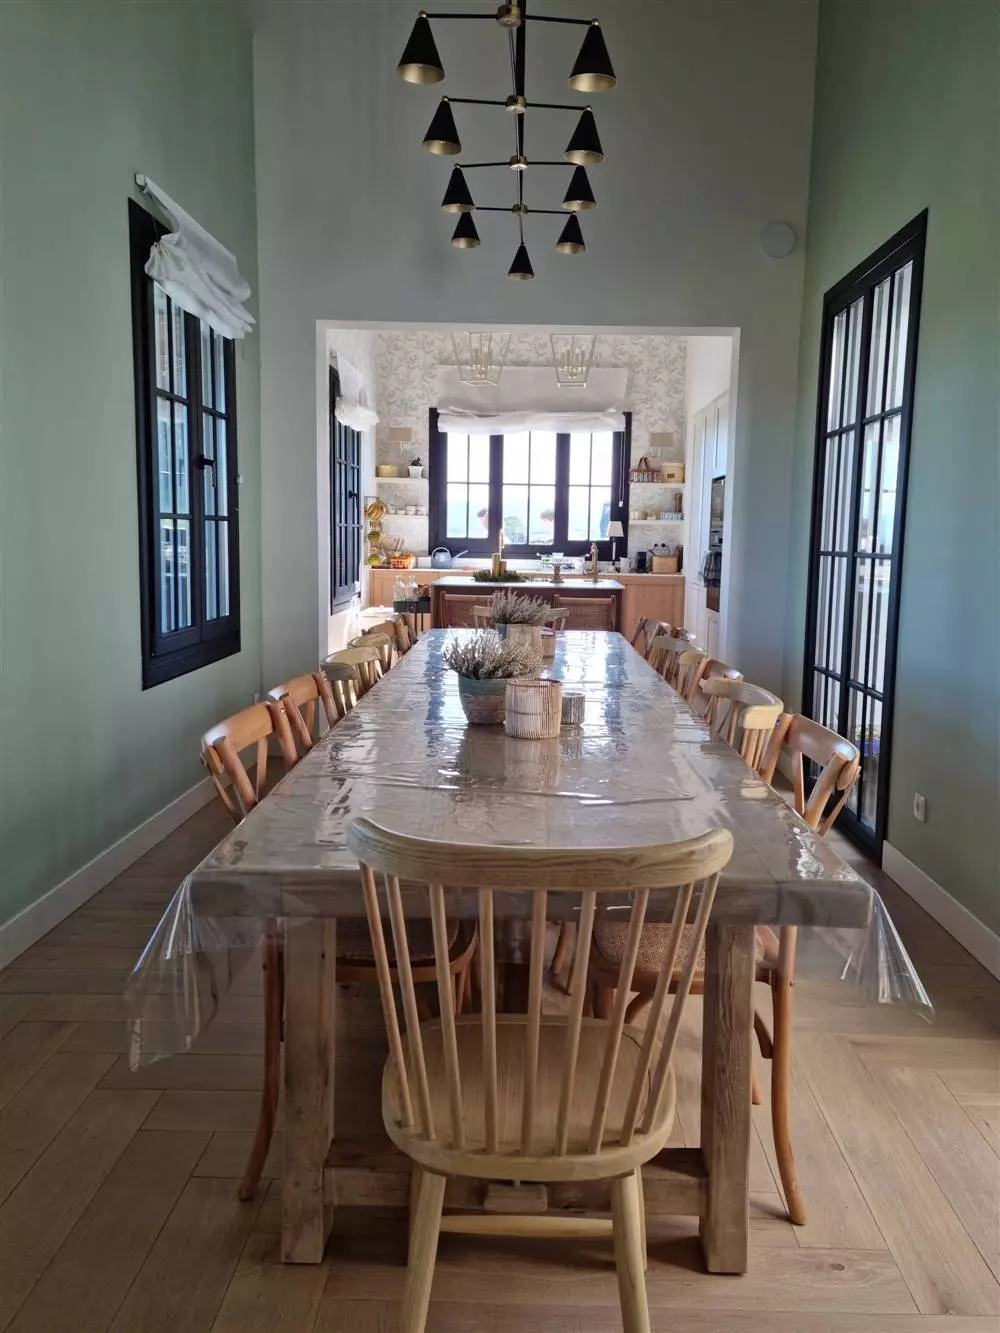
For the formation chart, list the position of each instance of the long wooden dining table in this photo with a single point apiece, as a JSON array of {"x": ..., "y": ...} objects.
[{"x": 641, "y": 768}]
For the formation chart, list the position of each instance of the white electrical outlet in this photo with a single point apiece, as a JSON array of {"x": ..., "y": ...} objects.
[{"x": 919, "y": 807}]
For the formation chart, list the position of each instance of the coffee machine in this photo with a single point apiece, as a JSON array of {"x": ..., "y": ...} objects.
[{"x": 643, "y": 562}]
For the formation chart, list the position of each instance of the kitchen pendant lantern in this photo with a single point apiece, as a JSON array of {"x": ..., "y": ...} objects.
[
  {"x": 572, "y": 355},
  {"x": 592, "y": 73},
  {"x": 480, "y": 357}
]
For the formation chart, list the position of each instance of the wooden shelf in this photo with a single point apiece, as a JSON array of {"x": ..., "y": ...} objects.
[
  {"x": 675, "y": 485},
  {"x": 402, "y": 481},
  {"x": 649, "y": 522}
]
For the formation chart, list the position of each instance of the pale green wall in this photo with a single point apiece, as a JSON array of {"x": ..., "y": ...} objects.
[
  {"x": 92, "y": 91},
  {"x": 907, "y": 118}
]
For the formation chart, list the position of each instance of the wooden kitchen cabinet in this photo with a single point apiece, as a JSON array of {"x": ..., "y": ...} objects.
[
  {"x": 655, "y": 596},
  {"x": 382, "y": 581}
]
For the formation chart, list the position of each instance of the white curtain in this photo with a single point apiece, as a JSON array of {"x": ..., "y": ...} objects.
[
  {"x": 196, "y": 271},
  {"x": 351, "y": 407},
  {"x": 528, "y": 398}
]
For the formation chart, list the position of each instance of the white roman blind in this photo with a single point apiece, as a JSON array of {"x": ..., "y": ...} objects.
[
  {"x": 528, "y": 398},
  {"x": 196, "y": 270}
]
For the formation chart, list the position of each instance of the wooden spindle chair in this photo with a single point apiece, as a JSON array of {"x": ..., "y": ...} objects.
[
  {"x": 366, "y": 660},
  {"x": 221, "y": 746},
  {"x": 742, "y": 715},
  {"x": 301, "y": 699},
  {"x": 664, "y": 655},
  {"x": 638, "y": 636},
  {"x": 557, "y": 617},
  {"x": 532, "y": 1096},
  {"x": 587, "y": 612},
  {"x": 482, "y": 617},
  {"x": 458, "y": 610},
  {"x": 404, "y": 639},
  {"x": 342, "y": 679},
  {"x": 704, "y": 668},
  {"x": 382, "y": 638}
]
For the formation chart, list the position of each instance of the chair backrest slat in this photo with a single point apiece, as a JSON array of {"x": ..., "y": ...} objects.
[
  {"x": 487, "y": 947},
  {"x": 636, "y": 921},
  {"x": 578, "y": 995},
  {"x": 536, "y": 974},
  {"x": 612, "y": 1081},
  {"x": 384, "y": 975},
  {"x": 446, "y": 1001},
  {"x": 404, "y": 972}
]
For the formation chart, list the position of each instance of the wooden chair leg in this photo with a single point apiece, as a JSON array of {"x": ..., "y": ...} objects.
[
  {"x": 756, "y": 1096},
  {"x": 274, "y": 1005},
  {"x": 460, "y": 990},
  {"x": 627, "y": 1224},
  {"x": 642, "y": 1218},
  {"x": 416, "y": 1175},
  {"x": 604, "y": 1000},
  {"x": 424, "y": 1229},
  {"x": 636, "y": 1005},
  {"x": 560, "y": 956},
  {"x": 781, "y": 1062}
]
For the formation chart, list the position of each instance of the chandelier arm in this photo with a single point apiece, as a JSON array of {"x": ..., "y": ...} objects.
[
  {"x": 468, "y": 166},
  {"x": 477, "y": 101},
  {"x": 491, "y": 17},
  {"x": 552, "y": 18}
]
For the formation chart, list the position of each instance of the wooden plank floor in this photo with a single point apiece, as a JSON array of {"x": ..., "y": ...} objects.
[{"x": 118, "y": 1206}]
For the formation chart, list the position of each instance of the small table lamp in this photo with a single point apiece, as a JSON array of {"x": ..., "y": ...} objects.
[{"x": 615, "y": 530}]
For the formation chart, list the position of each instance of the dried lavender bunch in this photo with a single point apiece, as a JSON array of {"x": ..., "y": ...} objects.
[
  {"x": 513, "y": 608},
  {"x": 488, "y": 657}
]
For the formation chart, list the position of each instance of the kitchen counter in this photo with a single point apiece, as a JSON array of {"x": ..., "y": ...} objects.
[
  {"x": 467, "y": 583},
  {"x": 453, "y": 597}
]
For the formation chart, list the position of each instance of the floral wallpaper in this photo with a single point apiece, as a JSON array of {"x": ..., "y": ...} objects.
[{"x": 405, "y": 377}]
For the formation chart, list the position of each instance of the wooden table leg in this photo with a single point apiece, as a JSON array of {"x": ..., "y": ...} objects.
[
  {"x": 310, "y": 999},
  {"x": 725, "y": 1096}
]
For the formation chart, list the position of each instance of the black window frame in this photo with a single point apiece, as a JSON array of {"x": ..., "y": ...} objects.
[
  {"x": 479, "y": 546},
  {"x": 167, "y": 655},
  {"x": 906, "y": 246},
  {"x": 346, "y": 523}
]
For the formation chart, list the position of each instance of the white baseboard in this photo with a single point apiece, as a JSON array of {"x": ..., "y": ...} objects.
[
  {"x": 36, "y": 920},
  {"x": 947, "y": 911}
]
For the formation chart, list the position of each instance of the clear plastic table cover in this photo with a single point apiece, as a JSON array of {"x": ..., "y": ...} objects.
[{"x": 640, "y": 769}]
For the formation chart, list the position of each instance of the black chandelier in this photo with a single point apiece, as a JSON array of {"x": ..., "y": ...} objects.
[{"x": 592, "y": 73}]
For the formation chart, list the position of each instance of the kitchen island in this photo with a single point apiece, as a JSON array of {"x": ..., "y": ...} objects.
[{"x": 453, "y": 597}]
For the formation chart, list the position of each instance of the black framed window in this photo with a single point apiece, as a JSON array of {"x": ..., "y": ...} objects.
[
  {"x": 548, "y": 490},
  {"x": 185, "y": 391},
  {"x": 867, "y": 370},
  {"x": 345, "y": 506}
]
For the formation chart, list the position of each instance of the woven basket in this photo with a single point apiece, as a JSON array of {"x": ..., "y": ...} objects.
[
  {"x": 534, "y": 709},
  {"x": 484, "y": 702}
]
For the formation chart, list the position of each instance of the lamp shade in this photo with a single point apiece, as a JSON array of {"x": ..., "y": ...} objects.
[
  {"x": 593, "y": 71},
  {"x": 420, "y": 62},
  {"x": 457, "y": 198},
  {"x": 615, "y": 529},
  {"x": 570, "y": 241},
  {"x": 465, "y": 236},
  {"x": 442, "y": 133},
  {"x": 521, "y": 267},
  {"x": 579, "y": 196},
  {"x": 584, "y": 149}
]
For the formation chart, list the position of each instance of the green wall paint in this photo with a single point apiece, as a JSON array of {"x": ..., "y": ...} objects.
[
  {"x": 89, "y": 94},
  {"x": 906, "y": 118}
]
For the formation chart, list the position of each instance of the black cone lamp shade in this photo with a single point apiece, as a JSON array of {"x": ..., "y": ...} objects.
[
  {"x": 584, "y": 149},
  {"x": 465, "y": 236},
  {"x": 570, "y": 241},
  {"x": 457, "y": 198},
  {"x": 579, "y": 196},
  {"x": 593, "y": 71},
  {"x": 442, "y": 133},
  {"x": 521, "y": 267},
  {"x": 420, "y": 62}
]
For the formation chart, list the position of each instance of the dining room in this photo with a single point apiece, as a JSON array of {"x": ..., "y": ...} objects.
[{"x": 501, "y": 847}]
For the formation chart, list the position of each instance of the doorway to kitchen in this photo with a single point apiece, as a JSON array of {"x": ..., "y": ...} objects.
[{"x": 867, "y": 368}]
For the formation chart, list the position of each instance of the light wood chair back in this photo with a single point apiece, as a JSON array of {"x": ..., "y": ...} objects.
[
  {"x": 838, "y": 760},
  {"x": 664, "y": 655},
  {"x": 557, "y": 617},
  {"x": 404, "y": 639},
  {"x": 301, "y": 699},
  {"x": 382, "y": 637},
  {"x": 587, "y": 612},
  {"x": 638, "y": 636},
  {"x": 367, "y": 662},
  {"x": 459, "y": 611},
  {"x": 342, "y": 679},
  {"x": 706, "y": 668},
  {"x": 482, "y": 617},
  {"x": 527, "y": 1096},
  {"x": 743, "y": 715},
  {"x": 222, "y": 747}
]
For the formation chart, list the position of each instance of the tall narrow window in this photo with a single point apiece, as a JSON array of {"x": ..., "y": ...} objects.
[
  {"x": 863, "y": 433},
  {"x": 548, "y": 490},
  {"x": 186, "y": 449},
  {"x": 345, "y": 506}
]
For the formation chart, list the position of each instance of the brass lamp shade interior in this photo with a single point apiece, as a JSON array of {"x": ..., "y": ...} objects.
[
  {"x": 465, "y": 236},
  {"x": 457, "y": 198},
  {"x": 593, "y": 71},
  {"x": 579, "y": 196},
  {"x": 521, "y": 267},
  {"x": 570, "y": 241},
  {"x": 584, "y": 148},
  {"x": 442, "y": 133},
  {"x": 420, "y": 62}
]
